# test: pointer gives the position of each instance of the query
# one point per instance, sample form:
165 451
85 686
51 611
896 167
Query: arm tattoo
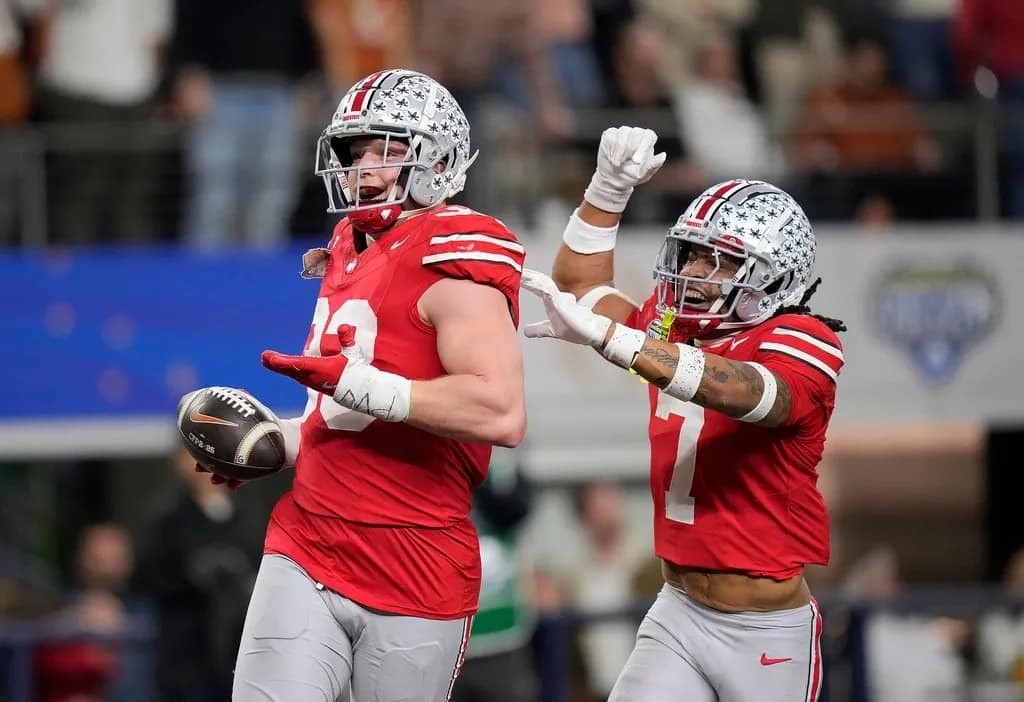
731 387
783 404
664 361
735 388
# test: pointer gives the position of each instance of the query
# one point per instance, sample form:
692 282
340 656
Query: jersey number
686 419
356 313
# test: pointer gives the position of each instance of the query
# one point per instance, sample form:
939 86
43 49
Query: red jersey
735 496
379 511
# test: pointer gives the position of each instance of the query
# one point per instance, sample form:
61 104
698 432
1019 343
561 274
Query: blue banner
104 332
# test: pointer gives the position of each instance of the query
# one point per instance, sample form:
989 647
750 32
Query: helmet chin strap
459 180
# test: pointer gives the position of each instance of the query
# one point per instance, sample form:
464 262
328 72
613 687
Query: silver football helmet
754 222
397 104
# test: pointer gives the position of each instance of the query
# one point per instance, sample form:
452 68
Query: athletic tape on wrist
689 372
771 391
586 238
624 346
377 393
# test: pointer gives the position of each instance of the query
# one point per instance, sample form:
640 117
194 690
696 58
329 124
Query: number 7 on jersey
685 419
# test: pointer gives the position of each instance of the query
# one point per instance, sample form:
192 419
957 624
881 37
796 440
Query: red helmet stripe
365 88
723 192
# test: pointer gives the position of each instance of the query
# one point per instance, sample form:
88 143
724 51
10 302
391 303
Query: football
230 433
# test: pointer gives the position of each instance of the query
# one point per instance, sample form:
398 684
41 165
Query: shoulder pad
801 337
468 245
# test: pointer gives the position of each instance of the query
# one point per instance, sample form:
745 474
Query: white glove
567 319
625 159
369 390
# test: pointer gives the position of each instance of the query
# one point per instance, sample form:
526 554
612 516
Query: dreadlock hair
836 325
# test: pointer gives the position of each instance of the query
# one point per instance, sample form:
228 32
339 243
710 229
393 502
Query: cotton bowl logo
936 313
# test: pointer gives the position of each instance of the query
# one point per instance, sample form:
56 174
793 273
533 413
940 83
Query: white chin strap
459 180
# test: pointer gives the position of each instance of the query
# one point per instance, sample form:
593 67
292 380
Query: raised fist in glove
567 319
625 159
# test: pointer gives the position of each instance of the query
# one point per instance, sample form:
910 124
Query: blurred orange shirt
360 37
867 130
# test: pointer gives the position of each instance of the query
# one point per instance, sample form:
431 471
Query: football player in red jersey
371 569
742 381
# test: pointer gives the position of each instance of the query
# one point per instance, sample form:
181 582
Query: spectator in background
199 562
686 25
863 122
988 33
499 664
910 658
359 37
14 105
637 83
723 130
497 59
865 150
101 64
1000 633
239 63
922 53
15 94
466 45
100 604
599 578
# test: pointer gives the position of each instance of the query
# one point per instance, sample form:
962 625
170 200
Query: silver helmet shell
754 222
405 105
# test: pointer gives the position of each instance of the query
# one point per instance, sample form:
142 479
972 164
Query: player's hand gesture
625 159
567 319
321 373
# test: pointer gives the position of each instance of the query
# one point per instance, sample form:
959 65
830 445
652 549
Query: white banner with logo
935 333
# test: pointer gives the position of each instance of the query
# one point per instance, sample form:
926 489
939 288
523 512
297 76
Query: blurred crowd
145 603
193 121
154 612
142 120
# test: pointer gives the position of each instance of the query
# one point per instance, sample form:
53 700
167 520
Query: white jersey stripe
814 669
813 341
802 355
461 659
472 256
503 243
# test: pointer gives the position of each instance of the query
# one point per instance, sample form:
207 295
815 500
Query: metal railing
844 652
27 156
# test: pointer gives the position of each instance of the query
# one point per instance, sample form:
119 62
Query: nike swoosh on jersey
398 243
765 660
200 418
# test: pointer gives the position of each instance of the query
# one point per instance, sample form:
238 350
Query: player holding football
371 569
742 386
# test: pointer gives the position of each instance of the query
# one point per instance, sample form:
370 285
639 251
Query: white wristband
375 392
624 346
586 238
689 373
771 391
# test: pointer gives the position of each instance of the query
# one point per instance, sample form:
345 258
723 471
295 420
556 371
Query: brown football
230 433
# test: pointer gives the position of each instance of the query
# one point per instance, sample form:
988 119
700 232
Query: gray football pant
686 651
304 643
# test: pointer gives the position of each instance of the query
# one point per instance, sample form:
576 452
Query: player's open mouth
696 300
370 194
